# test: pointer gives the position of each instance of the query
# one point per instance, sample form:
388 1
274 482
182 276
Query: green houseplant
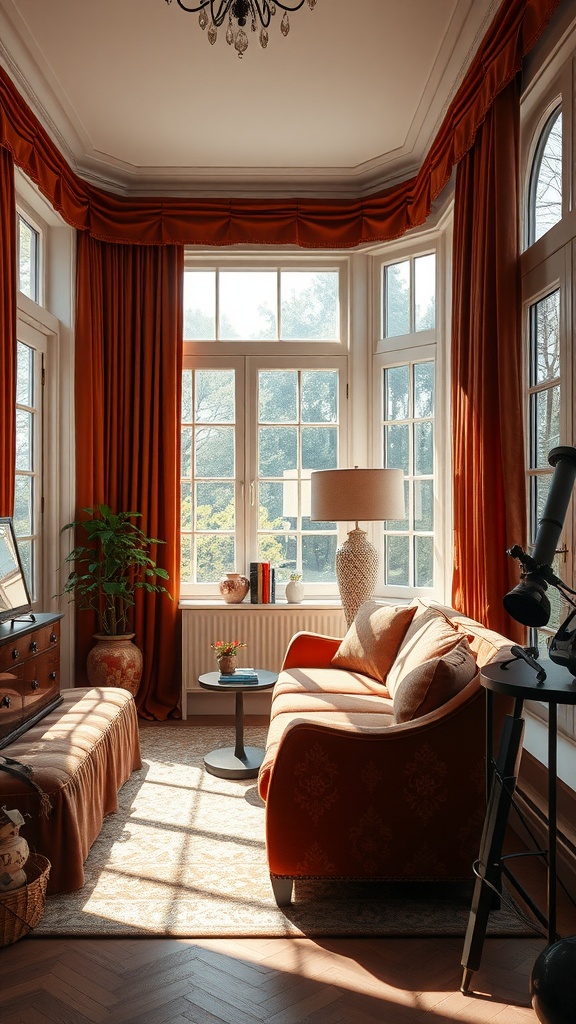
111 562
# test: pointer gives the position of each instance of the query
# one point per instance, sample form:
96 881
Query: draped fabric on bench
80 755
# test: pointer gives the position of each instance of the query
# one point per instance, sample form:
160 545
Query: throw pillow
371 644
434 682
429 635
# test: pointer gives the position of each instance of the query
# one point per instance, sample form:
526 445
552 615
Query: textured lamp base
356 572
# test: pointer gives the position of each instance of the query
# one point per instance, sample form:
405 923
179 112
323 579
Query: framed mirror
14 596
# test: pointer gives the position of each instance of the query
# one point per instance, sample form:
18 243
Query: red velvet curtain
487 399
7 334
128 394
311 223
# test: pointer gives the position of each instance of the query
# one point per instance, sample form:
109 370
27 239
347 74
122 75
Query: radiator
266 629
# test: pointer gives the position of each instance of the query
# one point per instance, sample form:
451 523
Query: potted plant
110 564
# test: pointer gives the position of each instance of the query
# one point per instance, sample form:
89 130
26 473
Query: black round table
237 762
540 680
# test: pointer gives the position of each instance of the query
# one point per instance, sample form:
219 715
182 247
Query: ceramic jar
294 592
234 587
115 661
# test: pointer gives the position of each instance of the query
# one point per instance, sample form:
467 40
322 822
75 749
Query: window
545 188
28 492
408 392
263 405
409 296
28 259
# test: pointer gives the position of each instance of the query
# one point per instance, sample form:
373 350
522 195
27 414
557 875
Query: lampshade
361 495
357 494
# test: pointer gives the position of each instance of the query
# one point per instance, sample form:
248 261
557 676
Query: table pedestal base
227 765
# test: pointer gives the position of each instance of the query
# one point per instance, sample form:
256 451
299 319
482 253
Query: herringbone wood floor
251 981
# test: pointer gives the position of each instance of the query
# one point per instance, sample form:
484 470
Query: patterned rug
185 855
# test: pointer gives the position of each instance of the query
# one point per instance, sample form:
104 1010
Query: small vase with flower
226 651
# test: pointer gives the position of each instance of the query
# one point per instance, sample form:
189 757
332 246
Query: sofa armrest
311 650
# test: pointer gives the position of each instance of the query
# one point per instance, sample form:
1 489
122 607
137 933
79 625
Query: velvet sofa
375 759
64 774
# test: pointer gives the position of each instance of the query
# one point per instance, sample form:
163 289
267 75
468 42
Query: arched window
545 193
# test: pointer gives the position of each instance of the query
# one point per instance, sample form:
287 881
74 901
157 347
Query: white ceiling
139 101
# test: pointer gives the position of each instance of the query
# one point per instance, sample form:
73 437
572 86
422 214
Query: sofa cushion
429 635
371 644
432 683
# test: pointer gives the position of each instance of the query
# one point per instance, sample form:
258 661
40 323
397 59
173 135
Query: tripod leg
489 869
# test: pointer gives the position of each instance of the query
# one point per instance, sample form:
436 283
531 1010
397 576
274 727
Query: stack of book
241 675
262 583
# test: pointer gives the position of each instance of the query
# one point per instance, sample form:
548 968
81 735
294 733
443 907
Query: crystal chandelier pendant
230 33
241 42
311 4
263 38
212 34
285 24
203 19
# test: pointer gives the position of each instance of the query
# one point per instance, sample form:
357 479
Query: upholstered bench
79 756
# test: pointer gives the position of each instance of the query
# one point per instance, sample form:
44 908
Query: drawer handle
34 684
53 638
6 701
53 676
15 654
33 647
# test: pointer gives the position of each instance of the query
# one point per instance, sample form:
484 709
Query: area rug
185 856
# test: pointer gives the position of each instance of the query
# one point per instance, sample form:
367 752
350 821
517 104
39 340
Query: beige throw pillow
429 635
434 682
371 644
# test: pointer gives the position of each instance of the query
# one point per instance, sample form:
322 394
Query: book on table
241 675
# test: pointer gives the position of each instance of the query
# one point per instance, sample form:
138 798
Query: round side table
237 762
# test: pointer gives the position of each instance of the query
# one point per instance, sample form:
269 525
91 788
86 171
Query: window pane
186 569
319 558
424 561
24 439
186 452
425 292
397 393
423 505
27 259
26 551
277 505
546 180
397 299
547 423
278 396
215 401
248 304
200 305
186 506
423 449
215 451
397 562
23 506
280 549
187 396
214 556
319 447
24 375
215 509
277 450
309 305
397 447
423 389
319 396
545 341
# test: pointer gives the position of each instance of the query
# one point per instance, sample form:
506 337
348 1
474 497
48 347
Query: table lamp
354 495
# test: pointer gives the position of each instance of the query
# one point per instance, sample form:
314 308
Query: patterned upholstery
352 793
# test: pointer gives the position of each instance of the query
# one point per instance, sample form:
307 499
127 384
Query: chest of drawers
29 673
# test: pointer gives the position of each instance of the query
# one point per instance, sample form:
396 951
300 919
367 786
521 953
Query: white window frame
247 358
411 348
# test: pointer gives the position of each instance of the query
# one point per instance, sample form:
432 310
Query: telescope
528 602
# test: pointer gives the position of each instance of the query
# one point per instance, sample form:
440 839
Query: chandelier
241 15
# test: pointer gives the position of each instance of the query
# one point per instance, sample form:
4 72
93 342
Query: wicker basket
21 909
